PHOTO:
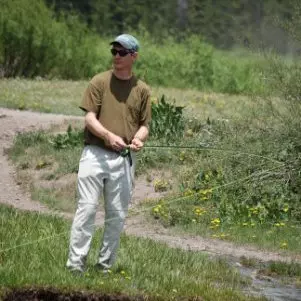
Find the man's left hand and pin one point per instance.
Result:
(136, 144)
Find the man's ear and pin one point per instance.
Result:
(135, 55)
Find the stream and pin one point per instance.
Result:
(271, 288)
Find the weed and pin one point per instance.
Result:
(69, 139)
(167, 120)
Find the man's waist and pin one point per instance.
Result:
(100, 143)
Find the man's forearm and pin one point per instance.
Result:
(95, 126)
(142, 133)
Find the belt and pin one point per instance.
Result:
(124, 153)
(127, 153)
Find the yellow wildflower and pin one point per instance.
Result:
(283, 245)
(156, 209)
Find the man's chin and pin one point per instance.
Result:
(118, 67)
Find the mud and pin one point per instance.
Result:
(33, 294)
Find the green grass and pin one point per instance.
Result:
(52, 175)
(243, 150)
(55, 96)
(64, 97)
(280, 269)
(66, 48)
(33, 252)
(283, 239)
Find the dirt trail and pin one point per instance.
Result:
(13, 122)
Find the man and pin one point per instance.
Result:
(118, 112)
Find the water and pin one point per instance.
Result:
(269, 287)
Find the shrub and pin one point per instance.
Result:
(34, 43)
(167, 120)
(66, 140)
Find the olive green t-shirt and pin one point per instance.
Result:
(122, 106)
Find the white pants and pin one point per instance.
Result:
(101, 172)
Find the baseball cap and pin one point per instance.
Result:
(127, 41)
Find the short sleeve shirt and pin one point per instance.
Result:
(121, 106)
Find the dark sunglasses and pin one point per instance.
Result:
(121, 52)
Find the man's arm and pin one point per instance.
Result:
(145, 117)
(139, 138)
(94, 126)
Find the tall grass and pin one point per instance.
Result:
(196, 64)
(34, 42)
(230, 185)
(33, 252)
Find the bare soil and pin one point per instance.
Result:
(55, 295)
(12, 193)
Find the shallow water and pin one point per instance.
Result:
(271, 288)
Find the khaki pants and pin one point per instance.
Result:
(101, 172)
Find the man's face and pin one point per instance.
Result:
(122, 58)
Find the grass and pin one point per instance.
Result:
(49, 96)
(240, 163)
(284, 240)
(289, 273)
(63, 97)
(54, 182)
(33, 251)
(237, 128)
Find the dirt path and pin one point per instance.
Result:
(13, 122)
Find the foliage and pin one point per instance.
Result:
(35, 43)
(69, 139)
(167, 120)
(42, 241)
(279, 268)
(241, 172)
(223, 24)
(223, 190)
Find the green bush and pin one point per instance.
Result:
(167, 120)
(36, 42)
(69, 139)
(33, 42)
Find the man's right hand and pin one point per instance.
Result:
(115, 142)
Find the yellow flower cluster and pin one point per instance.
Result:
(125, 275)
(159, 210)
(254, 210)
(199, 211)
(283, 245)
(215, 223)
(280, 224)
(188, 192)
(182, 156)
(161, 185)
(221, 236)
(205, 193)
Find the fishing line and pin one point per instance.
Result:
(174, 199)
(133, 213)
(205, 148)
